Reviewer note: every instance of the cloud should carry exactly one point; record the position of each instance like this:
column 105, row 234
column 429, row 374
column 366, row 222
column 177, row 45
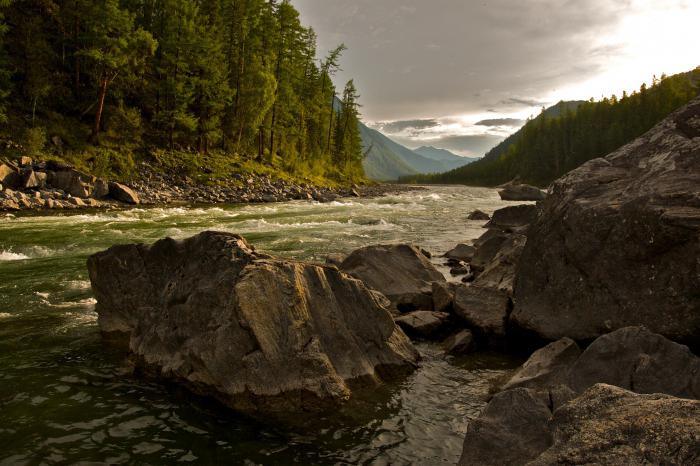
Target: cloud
column 511, row 102
column 394, row 127
column 513, row 122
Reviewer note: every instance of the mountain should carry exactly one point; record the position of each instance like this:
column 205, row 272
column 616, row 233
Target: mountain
column 449, row 160
column 386, row 160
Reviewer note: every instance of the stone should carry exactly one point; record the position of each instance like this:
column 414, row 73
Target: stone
column 123, row 193
column 521, row 192
column 499, row 273
column 610, row 426
column 479, row 215
column 354, row 193
column 263, row 336
column 461, row 268
column 461, row 252
column 423, row 324
column 25, row 161
column 443, row 296
column 335, row 259
column 512, row 430
column 9, row 204
column 487, row 247
column 513, row 218
column 459, row 343
column 636, row 359
column 547, row 367
column 76, row 201
column 33, row 180
column 483, row 309
column 9, row 176
column 628, row 227
column 71, row 181
column 400, row 272
column 100, row 189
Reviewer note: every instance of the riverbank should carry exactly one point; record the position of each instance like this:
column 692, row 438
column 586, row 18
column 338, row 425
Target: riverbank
column 37, row 185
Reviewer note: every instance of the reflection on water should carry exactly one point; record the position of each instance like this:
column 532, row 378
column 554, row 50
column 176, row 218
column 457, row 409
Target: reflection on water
column 66, row 398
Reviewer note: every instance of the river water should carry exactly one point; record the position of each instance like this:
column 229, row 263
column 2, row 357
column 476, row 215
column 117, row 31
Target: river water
column 66, row 398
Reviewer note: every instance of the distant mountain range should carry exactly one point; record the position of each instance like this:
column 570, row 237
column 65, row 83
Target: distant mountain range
column 387, row 160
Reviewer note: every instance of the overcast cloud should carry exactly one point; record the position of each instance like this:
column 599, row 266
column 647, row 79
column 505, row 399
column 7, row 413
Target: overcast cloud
column 430, row 70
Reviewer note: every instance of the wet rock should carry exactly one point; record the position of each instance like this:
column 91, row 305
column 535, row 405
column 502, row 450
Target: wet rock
column 483, row 309
column 423, row 324
column 479, row 215
column 513, row 218
column 521, row 192
column 628, row 226
column 461, row 268
column 443, row 296
column 263, row 336
column 611, row 426
column 401, row 272
column 487, row 248
column 459, row 343
column 461, row 252
column 547, row 367
column 512, row 430
column 123, row 193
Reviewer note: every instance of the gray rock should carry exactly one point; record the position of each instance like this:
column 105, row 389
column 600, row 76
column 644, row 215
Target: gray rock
column 512, row 430
column 628, row 227
column 483, row 309
column 499, row 273
column 479, row 215
column 401, row 272
column 33, row 180
column 461, row 252
column 547, row 367
column 423, row 324
column 101, row 189
column 488, row 246
column 72, row 181
column 123, row 193
column 513, row 218
column 263, row 336
column 461, row 268
column 443, row 296
column 459, row 343
column 636, row 359
column 610, row 426
column 521, row 192
column 335, row 259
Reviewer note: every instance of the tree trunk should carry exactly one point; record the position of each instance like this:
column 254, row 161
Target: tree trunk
column 104, row 82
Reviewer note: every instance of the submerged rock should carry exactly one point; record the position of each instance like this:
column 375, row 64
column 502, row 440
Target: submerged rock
column 401, row 272
column 479, row 215
column 260, row 335
column 618, row 242
column 459, row 343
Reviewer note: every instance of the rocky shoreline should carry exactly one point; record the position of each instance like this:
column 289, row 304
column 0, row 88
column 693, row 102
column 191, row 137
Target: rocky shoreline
column 612, row 381
column 26, row 184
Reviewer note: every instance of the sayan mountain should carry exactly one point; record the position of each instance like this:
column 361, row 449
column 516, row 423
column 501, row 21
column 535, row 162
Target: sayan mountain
column 388, row 160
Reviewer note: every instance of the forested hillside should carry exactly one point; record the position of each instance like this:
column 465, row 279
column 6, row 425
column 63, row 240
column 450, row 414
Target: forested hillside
column 549, row 146
column 102, row 83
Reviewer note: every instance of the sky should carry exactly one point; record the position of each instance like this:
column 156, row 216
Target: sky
column 463, row 74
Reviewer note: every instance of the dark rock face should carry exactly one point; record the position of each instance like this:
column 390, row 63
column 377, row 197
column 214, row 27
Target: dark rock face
column 9, row 176
column 262, row 336
column 443, row 296
column 423, row 324
column 459, row 343
column 514, row 218
column 461, row 252
column 521, row 192
column 618, row 242
column 547, row 367
column 512, row 430
column 123, row 193
column 499, row 272
column 483, row 309
column 479, row 215
column 401, row 272
column 611, row 426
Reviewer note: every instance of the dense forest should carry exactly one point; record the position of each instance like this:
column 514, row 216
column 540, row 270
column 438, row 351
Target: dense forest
column 102, row 83
column 551, row 145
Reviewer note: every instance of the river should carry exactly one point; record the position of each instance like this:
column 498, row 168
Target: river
column 66, row 398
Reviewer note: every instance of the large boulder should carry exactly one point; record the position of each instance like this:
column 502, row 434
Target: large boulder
column 632, row 358
column 478, row 215
column 428, row 325
column 73, row 182
column 461, row 252
column 123, row 193
column 9, row 176
column 521, row 192
column 499, row 273
column 401, row 272
column 260, row 335
column 484, row 310
column 618, row 241
column 611, row 426
column 513, row 218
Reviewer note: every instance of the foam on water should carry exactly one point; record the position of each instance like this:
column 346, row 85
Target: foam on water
column 6, row 256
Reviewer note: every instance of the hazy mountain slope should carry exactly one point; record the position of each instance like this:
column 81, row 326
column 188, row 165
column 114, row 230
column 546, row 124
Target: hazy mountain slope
column 449, row 160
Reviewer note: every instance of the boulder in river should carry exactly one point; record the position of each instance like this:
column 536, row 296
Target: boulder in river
column 479, row 215
column 499, row 273
column 261, row 335
column 618, row 241
column 483, row 310
column 401, row 272
column 423, row 324
column 547, row 367
column 513, row 218
column 461, row 252
column 123, row 193
column 521, row 192
column 459, row 343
